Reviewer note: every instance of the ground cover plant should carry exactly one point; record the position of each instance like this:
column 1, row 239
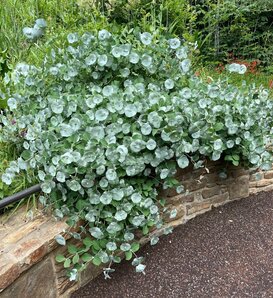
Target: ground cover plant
column 105, row 121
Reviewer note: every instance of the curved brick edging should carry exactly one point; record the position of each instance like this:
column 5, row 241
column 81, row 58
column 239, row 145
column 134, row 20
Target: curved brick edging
column 28, row 248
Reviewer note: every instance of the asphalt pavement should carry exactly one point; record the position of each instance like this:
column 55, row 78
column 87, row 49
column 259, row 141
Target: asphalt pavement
column 227, row 252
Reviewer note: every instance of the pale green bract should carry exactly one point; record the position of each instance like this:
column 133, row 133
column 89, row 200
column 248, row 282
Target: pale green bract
column 106, row 121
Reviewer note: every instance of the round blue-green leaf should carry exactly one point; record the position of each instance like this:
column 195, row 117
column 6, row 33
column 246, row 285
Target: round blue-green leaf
column 154, row 240
column 218, row 144
column 130, row 110
column 146, row 129
column 72, row 37
column 169, row 84
column 46, row 187
column 120, row 215
column 146, row 60
column 174, row 43
column 104, row 35
column 111, row 175
column 111, row 246
column 12, row 103
column 106, row 198
column 138, row 220
column 125, row 246
column 140, row 268
column 185, row 65
column 60, row 240
column 146, row 38
column 91, row 59
column 102, row 60
column 128, row 236
column 151, row 144
column 73, row 185
column 136, row 198
column 96, row 232
column 90, row 216
column 101, row 114
column 173, row 213
column 153, row 209
column 113, row 228
column 134, row 58
column 183, row 161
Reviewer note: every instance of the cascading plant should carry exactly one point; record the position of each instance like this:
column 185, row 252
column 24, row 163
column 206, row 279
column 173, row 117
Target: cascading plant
column 106, row 121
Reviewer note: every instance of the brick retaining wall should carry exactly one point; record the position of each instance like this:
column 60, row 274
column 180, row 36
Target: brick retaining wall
column 28, row 249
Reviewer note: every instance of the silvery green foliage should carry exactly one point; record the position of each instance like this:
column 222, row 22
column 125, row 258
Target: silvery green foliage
column 106, row 119
column 33, row 33
column 238, row 68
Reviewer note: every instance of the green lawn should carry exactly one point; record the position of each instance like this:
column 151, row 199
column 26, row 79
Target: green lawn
column 259, row 78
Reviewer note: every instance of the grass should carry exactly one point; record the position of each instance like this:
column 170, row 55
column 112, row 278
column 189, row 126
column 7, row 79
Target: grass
column 8, row 153
column 62, row 16
column 258, row 78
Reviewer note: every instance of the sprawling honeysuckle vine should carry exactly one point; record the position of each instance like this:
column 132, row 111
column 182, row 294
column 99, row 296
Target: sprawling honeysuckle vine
column 108, row 119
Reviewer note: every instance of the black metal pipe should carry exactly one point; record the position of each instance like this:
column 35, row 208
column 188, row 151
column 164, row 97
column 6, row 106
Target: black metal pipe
column 20, row 195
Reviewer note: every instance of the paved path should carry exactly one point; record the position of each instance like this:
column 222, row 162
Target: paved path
column 227, row 252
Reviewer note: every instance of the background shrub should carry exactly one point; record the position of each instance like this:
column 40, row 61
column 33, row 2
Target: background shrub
column 240, row 29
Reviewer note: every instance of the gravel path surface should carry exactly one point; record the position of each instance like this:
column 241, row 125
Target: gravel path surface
column 227, row 252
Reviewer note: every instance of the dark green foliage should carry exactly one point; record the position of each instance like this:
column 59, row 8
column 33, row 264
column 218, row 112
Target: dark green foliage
column 235, row 29
column 224, row 29
column 171, row 16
